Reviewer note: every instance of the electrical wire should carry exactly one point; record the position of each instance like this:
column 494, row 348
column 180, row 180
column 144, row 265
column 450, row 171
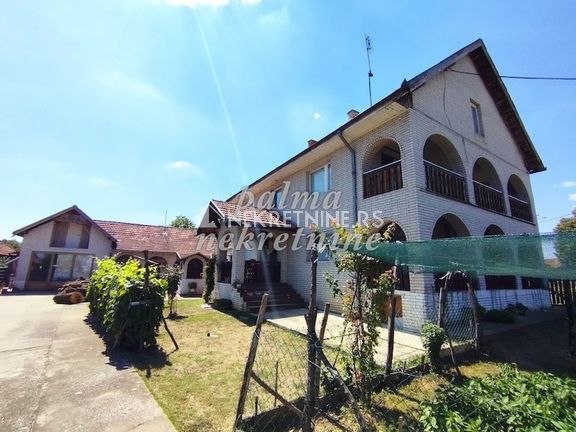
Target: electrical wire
column 519, row 77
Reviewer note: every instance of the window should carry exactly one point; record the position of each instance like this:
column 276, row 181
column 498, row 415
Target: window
column 477, row 118
column 277, row 198
column 194, row 269
column 50, row 267
column 70, row 235
column 321, row 179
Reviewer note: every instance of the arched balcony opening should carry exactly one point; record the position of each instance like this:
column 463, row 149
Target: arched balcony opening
column 519, row 200
column 487, row 187
column 382, row 169
column 445, row 173
column 498, row 282
column 449, row 226
column 403, row 273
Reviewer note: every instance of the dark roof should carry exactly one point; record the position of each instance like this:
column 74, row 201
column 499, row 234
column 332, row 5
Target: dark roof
column 74, row 209
column 491, row 78
column 231, row 212
column 6, row 250
column 157, row 238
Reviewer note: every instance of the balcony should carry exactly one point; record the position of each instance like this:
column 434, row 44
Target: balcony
column 520, row 209
column 383, row 179
column 489, row 198
column 445, row 182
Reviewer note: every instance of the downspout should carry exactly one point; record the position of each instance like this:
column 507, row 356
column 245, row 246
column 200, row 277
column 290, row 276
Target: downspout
column 354, row 176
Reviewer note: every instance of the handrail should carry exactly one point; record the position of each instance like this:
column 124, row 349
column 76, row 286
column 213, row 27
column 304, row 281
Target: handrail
column 442, row 168
column 486, row 186
column 382, row 167
column 518, row 199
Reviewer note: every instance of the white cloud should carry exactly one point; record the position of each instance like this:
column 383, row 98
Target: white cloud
column 251, row 2
column 182, row 165
column 317, row 115
column 118, row 81
column 568, row 184
column 277, row 18
column 572, row 197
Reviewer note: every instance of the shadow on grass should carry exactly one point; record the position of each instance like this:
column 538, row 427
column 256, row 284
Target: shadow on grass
column 245, row 318
column 145, row 360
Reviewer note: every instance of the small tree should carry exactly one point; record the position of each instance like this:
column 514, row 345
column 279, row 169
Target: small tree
column 433, row 337
column 566, row 248
column 172, row 276
column 209, row 279
column 364, row 297
column 182, row 222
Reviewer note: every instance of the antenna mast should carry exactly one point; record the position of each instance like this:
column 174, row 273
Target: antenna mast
column 370, row 74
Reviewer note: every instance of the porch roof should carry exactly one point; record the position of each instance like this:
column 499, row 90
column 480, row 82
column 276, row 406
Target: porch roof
column 220, row 212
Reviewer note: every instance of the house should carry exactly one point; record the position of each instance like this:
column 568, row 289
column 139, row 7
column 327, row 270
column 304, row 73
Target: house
column 444, row 155
column 65, row 245
column 7, row 251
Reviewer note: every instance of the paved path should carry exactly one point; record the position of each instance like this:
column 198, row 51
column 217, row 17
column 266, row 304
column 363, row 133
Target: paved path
column 406, row 345
column 54, row 377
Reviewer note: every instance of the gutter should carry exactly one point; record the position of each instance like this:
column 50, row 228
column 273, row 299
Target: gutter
column 354, row 176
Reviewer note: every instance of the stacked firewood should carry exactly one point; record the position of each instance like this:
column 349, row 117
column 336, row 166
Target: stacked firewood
column 71, row 292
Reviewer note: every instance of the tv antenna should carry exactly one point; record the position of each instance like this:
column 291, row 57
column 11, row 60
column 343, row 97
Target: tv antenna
column 370, row 74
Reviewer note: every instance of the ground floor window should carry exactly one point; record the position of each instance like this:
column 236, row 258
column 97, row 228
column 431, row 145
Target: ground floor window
column 57, row 267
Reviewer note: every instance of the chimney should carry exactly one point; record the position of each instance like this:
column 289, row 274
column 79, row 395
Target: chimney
column 352, row 113
column 311, row 142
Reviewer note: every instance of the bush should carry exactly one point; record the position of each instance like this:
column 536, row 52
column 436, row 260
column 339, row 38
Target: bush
column 433, row 337
column 222, row 304
column 209, row 279
column 130, row 314
column 510, row 401
column 518, row 308
column 500, row 316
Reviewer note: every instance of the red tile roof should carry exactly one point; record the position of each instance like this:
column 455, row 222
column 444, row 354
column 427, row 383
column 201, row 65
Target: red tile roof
column 154, row 238
column 6, row 250
column 247, row 214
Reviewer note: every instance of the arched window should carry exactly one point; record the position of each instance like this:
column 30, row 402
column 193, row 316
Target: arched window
column 519, row 199
column 445, row 173
column 382, row 169
column 403, row 273
column 194, row 269
column 450, row 226
column 498, row 282
column 487, row 187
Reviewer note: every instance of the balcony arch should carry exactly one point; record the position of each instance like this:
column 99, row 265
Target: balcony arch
column 487, row 186
column 445, row 173
column 382, row 168
column 519, row 199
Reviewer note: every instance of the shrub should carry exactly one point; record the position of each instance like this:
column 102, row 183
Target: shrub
column 209, row 279
column 130, row 314
column 223, row 304
column 433, row 337
column 510, row 401
column 500, row 316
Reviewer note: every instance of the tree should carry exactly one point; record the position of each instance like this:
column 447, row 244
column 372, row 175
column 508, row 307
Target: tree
column 14, row 244
column 182, row 222
column 566, row 246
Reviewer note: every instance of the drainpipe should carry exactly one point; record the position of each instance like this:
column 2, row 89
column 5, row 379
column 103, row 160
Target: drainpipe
column 354, row 176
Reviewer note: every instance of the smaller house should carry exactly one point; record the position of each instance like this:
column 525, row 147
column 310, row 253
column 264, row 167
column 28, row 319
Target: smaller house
column 7, row 251
column 64, row 247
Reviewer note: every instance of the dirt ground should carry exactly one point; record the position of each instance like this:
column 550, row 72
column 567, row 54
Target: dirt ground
column 540, row 347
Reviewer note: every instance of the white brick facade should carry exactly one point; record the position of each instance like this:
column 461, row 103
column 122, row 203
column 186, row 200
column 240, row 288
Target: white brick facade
column 439, row 108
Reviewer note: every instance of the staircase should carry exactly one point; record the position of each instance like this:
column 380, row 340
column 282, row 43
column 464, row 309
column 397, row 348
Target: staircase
column 280, row 296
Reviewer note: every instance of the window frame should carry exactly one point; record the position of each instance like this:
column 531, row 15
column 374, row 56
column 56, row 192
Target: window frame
column 327, row 177
column 477, row 121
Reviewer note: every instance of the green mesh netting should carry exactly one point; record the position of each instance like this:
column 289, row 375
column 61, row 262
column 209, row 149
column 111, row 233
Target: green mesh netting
column 551, row 256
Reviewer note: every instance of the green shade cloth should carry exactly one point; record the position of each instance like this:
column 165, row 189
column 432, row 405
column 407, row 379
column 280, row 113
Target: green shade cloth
column 551, row 256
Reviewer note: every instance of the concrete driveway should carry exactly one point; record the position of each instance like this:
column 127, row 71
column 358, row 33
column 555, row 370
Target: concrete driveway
column 54, row 377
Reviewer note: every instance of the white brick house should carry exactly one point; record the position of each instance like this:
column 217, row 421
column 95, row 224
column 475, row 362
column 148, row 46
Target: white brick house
column 445, row 155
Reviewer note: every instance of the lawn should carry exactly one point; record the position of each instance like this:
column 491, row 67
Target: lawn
column 198, row 387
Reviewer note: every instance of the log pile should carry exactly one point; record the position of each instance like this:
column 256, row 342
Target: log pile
column 71, row 292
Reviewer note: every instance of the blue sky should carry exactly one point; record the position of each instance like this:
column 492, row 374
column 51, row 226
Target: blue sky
column 131, row 109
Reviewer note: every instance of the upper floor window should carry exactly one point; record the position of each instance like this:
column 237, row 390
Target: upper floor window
column 70, row 235
column 277, row 198
column 321, row 179
column 477, row 118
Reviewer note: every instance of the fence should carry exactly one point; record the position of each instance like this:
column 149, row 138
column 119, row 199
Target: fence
column 558, row 293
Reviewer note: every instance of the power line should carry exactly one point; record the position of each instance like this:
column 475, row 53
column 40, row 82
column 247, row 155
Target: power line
column 541, row 78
